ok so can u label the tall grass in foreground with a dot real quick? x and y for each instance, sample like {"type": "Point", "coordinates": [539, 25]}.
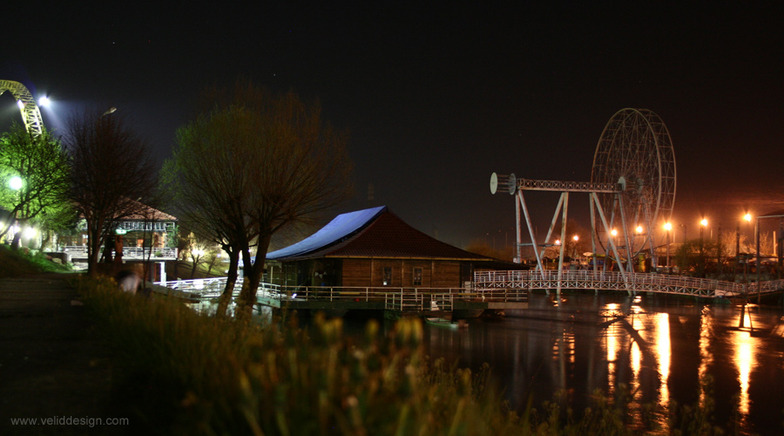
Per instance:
{"type": "Point", "coordinates": [185, 373]}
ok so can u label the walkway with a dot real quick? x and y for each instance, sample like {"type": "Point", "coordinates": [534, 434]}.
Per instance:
{"type": "Point", "coordinates": [626, 282]}
{"type": "Point", "coordinates": [53, 364]}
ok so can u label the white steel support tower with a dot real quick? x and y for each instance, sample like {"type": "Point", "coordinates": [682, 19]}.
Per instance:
{"type": "Point", "coordinates": [516, 187]}
{"type": "Point", "coordinates": [631, 192]}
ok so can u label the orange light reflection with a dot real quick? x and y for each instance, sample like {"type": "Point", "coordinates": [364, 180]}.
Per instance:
{"type": "Point", "coordinates": [664, 355]}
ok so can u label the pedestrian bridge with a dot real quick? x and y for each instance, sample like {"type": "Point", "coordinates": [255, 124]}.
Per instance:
{"type": "Point", "coordinates": [631, 283]}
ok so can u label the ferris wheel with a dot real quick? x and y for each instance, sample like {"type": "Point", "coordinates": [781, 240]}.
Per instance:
{"type": "Point", "coordinates": [635, 151]}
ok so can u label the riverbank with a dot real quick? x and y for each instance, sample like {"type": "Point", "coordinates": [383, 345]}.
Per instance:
{"type": "Point", "coordinates": [165, 369]}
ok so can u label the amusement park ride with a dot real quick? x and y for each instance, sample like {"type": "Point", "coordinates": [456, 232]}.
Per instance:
{"type": "Point", "coordinates": [31, 115]}
{"type": "Point", "coordinates": [631, 192]}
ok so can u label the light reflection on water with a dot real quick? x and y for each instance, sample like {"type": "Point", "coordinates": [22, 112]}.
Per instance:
{"type": "Point", "coordinates": [665, 352]}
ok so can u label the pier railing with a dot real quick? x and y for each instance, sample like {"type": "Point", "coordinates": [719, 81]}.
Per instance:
{"type": "Point", "coordinates": [393, 298]}
{"type": "Point", "coordinates": [130, 253]}
{"type": "Point", "coordinates": [615, 281]}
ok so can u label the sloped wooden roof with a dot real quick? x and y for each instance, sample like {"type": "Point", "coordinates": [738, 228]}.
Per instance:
{"type": "Point", "coordinates": [372, 233]}
{"type": "Point", "coordinates": [142, 212]}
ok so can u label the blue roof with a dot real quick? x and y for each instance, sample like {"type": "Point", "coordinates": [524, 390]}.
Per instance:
{"type": "Point", "coordinates": [338, 229]}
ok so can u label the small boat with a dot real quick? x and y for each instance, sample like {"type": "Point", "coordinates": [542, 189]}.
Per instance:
{"type": "Point", "coordinates": [443, 322]}
{"type": "Point", "coordinates": [440, 321]}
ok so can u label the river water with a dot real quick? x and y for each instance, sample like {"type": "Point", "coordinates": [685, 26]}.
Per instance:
{"type": "Point", "coordinates": [665, 351]}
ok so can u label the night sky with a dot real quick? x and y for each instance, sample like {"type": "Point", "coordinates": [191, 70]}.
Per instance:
{"type": "Point", "coordinates": [437, 95]}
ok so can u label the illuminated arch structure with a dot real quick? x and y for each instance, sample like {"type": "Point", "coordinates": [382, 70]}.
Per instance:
{"type": "Point", "coordinates": [31, 115]}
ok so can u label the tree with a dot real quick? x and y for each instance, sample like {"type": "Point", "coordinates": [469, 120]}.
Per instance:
{"type": "Point", "coordinates": [199, 251]}
{"type": "Point", "coordinates": [700, 257]}
{"type": "Point", "coordinates": [35, 175]}
{"type": "Point", "coordinates": [112, 171]}
{"type": "Point", "coordinates": [251, 165]}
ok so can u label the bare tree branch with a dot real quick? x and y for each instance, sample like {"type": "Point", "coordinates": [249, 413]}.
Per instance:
{"type": "Point", "coordinates": [112, 170]}
{"type": "Point", "coordinates": [252, 164]}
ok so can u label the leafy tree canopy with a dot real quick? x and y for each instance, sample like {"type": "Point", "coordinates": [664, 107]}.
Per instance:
{"type": "Point", "coordinates": [34, 176]}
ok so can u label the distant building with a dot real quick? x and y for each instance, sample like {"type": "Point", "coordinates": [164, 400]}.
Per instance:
{"type": "Point", "coordinates": [372, 248]}
{"type": "Point", "coordinates": [147, 229]}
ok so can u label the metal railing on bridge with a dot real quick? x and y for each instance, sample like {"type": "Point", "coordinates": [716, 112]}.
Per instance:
{"type": "Point", "coordinates": [615, 281]}
{"type": "Point", "coordinates": [135, 253]}
{"type": "Point", "coordinates": [404, 299]}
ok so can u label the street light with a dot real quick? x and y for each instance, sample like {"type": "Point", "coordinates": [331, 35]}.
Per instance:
{"type": "Point", "coordinates": [746, 217]}
{"type": "Point", "coordinates": [703, 224]}
{"type": "Point", "coordinates": [15, 183]}
{"type": "Point", "coordinates": [575, 238]}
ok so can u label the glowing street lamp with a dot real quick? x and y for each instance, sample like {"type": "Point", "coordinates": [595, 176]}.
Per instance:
{"type": "Point", "coordinates": [29, 232]}
{"type": "Point", "coordinates": [575, 239]}
{"type": "Point", "coordinates": [746, 217]}
{"type": "Point", "coordinates": [703, 224]}
{"type": "Point", "coordinates": [44, 101]}
{"type": "Point", "coordinates": [15, 183]}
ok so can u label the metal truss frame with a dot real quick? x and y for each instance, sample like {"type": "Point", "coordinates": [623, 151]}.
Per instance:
{"type": "Point", "coordinates": [31, 115]}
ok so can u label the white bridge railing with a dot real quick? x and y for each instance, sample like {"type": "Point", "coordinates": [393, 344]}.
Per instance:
{"type": "Point", "coordinates": [394, 298]}
{"type": "Point", "coordinates": [161, 253]}
{"type": "Point", "coordinates": [615, 281]}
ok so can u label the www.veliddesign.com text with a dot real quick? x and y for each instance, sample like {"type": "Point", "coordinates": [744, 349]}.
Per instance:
{"type": "Point", "coordinates": [83, 421]}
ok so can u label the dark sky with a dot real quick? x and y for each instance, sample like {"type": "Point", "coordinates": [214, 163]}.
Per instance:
{"type": "Point", "coordinates": [437, 95]}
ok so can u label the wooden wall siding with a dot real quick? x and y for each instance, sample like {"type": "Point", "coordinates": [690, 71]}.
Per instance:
{"type": "Point", "coordinates": [447, 274]}
{"type": "Point", "coordinates": [370, 272]}
{"type": "Point", "coordinates": [357, 272]}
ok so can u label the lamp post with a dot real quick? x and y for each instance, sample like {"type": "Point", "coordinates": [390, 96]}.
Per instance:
{"type": "Point", "coordinates": [756, 236]}
{"type": "Point", "coordinates": [667, 229]}
{"type": "Point", "coordinates": [613, 234]}
{"type": "Point", "coordinates": [703, 225]}
{"type": "Point", "coordinates": [746, 217]}
{"type": "Point", "coordinates": [16, 183]}
{"type": "Point", "coordinates": [575, 238]}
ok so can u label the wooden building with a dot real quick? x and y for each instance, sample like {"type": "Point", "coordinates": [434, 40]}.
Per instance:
{"type": "Point", "coordinates": [372, 248]}
{"type": "Point", "coordinates": [136, 234]}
